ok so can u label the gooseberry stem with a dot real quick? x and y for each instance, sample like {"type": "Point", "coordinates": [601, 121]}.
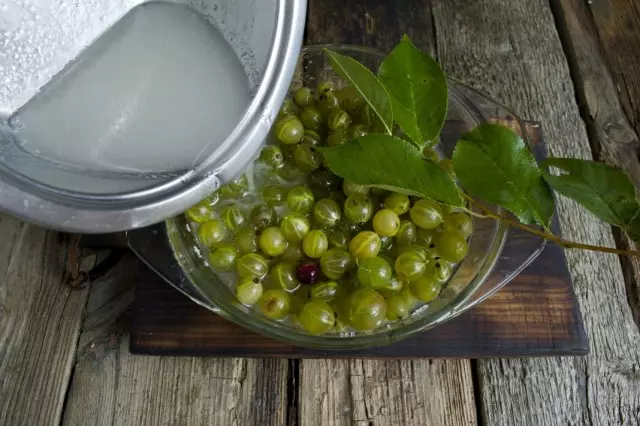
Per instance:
{"type": "Point", "coordinates": [486, 212]}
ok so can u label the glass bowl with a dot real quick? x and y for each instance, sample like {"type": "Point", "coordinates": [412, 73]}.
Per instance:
{"type": "Point", "coordinates": [496, 253]}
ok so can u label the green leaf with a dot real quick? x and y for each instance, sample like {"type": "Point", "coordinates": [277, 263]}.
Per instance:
{"type": "Point", "coordinates": [493, 163]}
{"type": "Point", "coordinates": [418, 90]}
{"type": "Point", "coordinates": [366, 83]}
{"type": "Point", "coordinates": [633, 228]}
{"type": "Point", "coordinates": [605, 191]}
{"type": "Point", "coordinates": [391, 163]}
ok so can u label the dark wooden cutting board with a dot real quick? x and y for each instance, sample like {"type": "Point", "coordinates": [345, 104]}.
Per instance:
{"type": "Point", "coordinates": [534, 315]}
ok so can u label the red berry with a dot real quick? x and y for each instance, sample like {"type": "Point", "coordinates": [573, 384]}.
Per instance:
{"type": "Point", "coordinates": [308, 273]}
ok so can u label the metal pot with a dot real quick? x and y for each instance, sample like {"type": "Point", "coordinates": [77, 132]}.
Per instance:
{"type": "Point", "coordinates": [86, 201]}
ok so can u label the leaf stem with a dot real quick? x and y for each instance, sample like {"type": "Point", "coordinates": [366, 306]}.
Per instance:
{"type": "Point", "coordinates": [486, 212]}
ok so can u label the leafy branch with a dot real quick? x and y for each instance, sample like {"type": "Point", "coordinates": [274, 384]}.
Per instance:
{"type": "Point", "coordinates": [491, 162]}
{"type": "Point", "coordinates": [547, 235]}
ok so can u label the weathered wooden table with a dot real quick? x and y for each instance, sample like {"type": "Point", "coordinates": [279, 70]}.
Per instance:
{"type": "Point", "coordinates": [574, 65]}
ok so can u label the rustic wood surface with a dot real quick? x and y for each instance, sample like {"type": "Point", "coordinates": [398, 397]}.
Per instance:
{"type": "Point", "coordinates": [111, 386]}
{"type": "Point", "coordinates": [609, 99]}
{"type": "Point", "coordinates": [512, 51]}
{"type": "Point", "coordinates": [40, 318]}
{"type": "Point", "coordinates": [524, 53]}
{"type": "Point", "coordinates": [366, 392]}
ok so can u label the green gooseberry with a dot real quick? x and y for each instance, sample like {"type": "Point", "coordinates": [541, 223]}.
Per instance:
{"type": "Point", "coordinates": [430, 154]}
{"type": "Point", "coordinates": [275, 303]}
{"type": "Point", "coordinates": [312, 118]}
{"type": "Point", "coordinates": [246, 240]}
{"type": "Point", "coordinates": [328, 102]}
{"type": "Point", "coordinates": [426, 214]}
{"type": "Point", "coordinates": [294, 227]}
{"type": "Point", "coordinates": [263, 216]}
{"type": "Point", "coordinates": [338, 120]}
{"type": "Point", "coordinates": [283, 275]}
{"type": "Point", "coordinates": [324, 87]}
{"type": "Point", "coordinates": [272, 157]}
{"type": "Point", "coordinates": [398, 203]}
{"type": "Point", "coordinates": [223, 258]}
{"type": "Point", "coordinates": [335, 262]}
{"type": "Point", "coordinates": [447, 165]}
{"type": "Point", "coordinates": [303, 97]}
{"type": "Point", "coordinates": [327, 212]}
{"type": "Point", "coordinates": [300, 199]}
{"type": "Point", "coordinates": [316, 317]}
{"type": "Point", "coordinates": [249, 291]}
{"type": "Point", "coordinates": [233, 217]}
{"type": "Point", "coordinates": [386, 223]}
{"type": "Point", "coordinates": [212, 233]}
{"type": "Point", "coordinates": [315, 243]}
{"type": "Point", "coordinates": [274, 195]}
{"type": "Point", "coordinates": [307, 158]}
{"type": "Point", "coordinates": [366, 309]}
{"type": "Point", "coordinates": [325, 291]}
{"type": "Point", "coordinates": [374, 272]}
{"type": "Point", "coordinates": [252, 265]}
{"type": "Point", "coordinates": [288, 108]}
{"type": "Point", "coordinates": [289, 130]}
{"type": "Point", "coordinates": [406, 234]}
{"type": "Point", "coordinates": [350, 99]}
{"type": "Point", "coordinates": [358, 208]}
{"type": "Point", "coordinates": [272, 241]}
{"type": "Point", "coordinates": [365, 244]}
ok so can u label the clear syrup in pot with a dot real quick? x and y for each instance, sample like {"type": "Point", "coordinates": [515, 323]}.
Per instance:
{"type": "Point", "coordinates": [150, 95]}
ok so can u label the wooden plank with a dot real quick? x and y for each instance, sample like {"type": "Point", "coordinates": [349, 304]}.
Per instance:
{"type": "Point", "coordinates": [342, 384]}
{"type": "Point", "coordinates": [511, 50]}
{"type": "Point", "coordinates": [108, 307]}
{"type": "Point", "coordinates": [595, 36]}
{"type": "Point", "coordinates": [616, 24]}
{"type": "Point", "coordinates": [373, 23]}
{"type": "Point", "coordinates": [361, 392]}
{"type": "Point", "coordinates": [40, 318]}
{"type": "Point", "coordinates": [112, 387]}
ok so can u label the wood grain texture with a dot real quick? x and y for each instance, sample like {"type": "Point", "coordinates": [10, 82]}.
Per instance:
{"type": "Point", "coordinates": [360, 392]}
{"type": "Point", "coordinates": [511, 50]}
{"type": "Point", "coordinates": [372, 23]}
{"type": "Point", "coordinates": [617, 23]}
{"type": "Point", "coordinates": [377, 24]}
{"type": "Point", "coordinates": [107, 310]}
{"type": "Point", "coordinates": [112, 387]}
{"type": "Point", "coordinates": [40, 318]}
{"type": "Point", "coordinates": [614, 139]}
